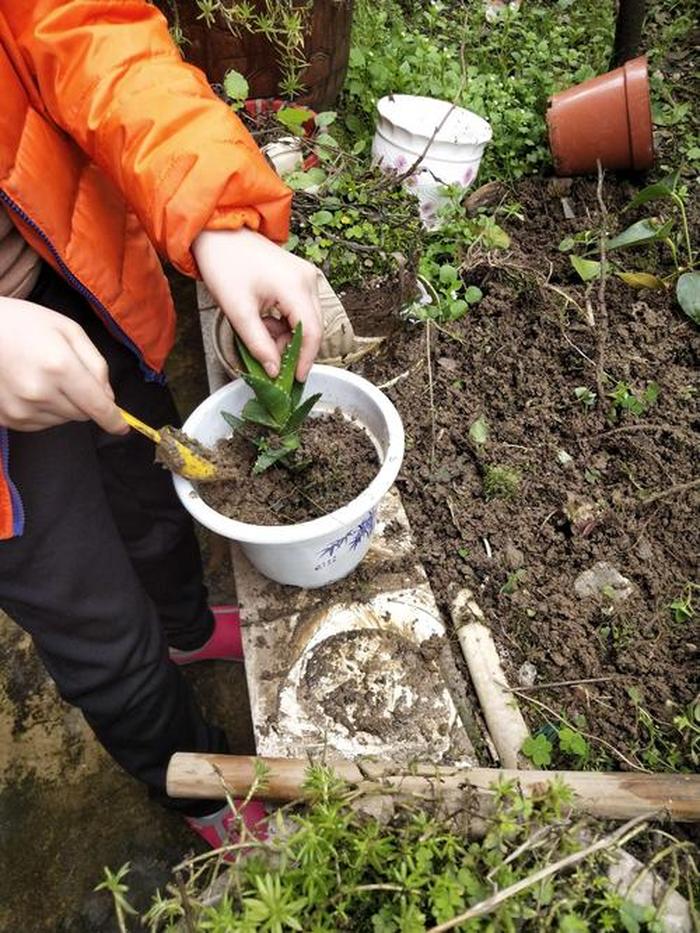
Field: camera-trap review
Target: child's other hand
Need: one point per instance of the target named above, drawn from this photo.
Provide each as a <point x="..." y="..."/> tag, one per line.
<point x="50" y="372"/>
<point x="248" y="275"/>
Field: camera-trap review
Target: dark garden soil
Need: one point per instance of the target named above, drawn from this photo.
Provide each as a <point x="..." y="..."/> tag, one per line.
<point x="340" y="462"/>
<point x="593" y="487"/>
<point x="374" y="308"/>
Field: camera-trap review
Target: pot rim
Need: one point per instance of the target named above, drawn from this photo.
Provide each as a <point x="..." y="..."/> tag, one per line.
<point x="639" y="119"/>
<point x="387" y="104"/>
<point x="341" y="518"/>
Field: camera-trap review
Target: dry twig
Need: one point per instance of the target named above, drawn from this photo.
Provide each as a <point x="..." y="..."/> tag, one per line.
<point x="602" y="328"/>
<point x="488" y="905"/>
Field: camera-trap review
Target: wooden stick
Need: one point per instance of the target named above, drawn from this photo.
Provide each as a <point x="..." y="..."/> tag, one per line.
<point x="611" y="795"/>
<point x="504" y="720"/>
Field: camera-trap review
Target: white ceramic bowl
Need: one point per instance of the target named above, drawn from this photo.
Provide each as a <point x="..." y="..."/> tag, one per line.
<point x="314" y="553"/>
<point x="405" y="124"/>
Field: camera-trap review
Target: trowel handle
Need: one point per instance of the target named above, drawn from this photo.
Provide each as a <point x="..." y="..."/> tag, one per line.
<point x="138" y="425"/>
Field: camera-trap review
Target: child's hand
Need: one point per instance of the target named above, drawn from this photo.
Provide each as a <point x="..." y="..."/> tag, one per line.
<point x="50" y="372"/>
<point x="248" y="275"/>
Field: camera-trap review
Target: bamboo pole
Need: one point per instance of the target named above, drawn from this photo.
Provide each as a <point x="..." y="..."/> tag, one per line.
<point x="504" y="721"/>
<point x="607" y="795"/>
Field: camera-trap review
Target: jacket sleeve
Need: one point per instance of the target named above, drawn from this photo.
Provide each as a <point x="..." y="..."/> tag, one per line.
<point x="111" y="77"/>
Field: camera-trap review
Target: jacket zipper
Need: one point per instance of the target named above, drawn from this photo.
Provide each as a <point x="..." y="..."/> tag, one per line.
<point x="151" y="374"/>
<point x="15" y="501"/>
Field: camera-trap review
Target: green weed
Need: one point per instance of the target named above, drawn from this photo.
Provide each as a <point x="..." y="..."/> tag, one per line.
<point x="682" y="606"/>
<point x="503" y="71"/>
<point x="331" y="869"/>
<point x="501" y="482"/>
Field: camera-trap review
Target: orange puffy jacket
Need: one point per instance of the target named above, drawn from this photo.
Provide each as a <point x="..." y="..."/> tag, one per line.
<point x="112" y="149"/>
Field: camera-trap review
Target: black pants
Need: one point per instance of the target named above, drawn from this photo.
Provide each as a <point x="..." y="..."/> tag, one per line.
<point x="108" y="573"/>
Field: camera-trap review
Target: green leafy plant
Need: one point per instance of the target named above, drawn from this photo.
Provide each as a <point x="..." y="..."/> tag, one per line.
<point x="624" y="399"/>
<point x="350" y="219"/>
<point x="513" y="581"/>
<point x="672" y="231"/>
<point x="504" y="71"/>
<point x="501" y="482"/>
<point x="236" y="88"/>
<point x="333" y="869"/>
<point x="682" y="607"/>
<point x="284" y="23"/>
<point x="277" y="406"/>
<point x="587" y="397"/>
<point x="688" y="726"/>
<point x="445" y="253"/>
<point x="479" y="432"/>
<point x="114" y="884"/>
<point x="551" y="740"/>
<point x="660" y="745"/>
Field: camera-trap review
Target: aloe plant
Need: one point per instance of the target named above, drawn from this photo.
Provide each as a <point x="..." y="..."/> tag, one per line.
<point x="277" y="405"/>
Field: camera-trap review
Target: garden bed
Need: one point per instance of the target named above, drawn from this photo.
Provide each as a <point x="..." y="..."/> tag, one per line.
<point x="593" y="483"/>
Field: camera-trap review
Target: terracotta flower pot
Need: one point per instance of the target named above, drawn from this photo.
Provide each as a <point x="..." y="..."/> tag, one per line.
<point x="216" y="49"/>
<point x="606" y="118"/>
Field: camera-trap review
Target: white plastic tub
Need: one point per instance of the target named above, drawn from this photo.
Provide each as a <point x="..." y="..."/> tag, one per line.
<point x="318" y="552"/>
<point x="405" y="125"/>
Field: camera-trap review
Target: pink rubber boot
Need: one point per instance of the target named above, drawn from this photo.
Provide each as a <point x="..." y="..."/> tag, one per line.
<point x="225" y="643"/>
<point x="220" y="828"/>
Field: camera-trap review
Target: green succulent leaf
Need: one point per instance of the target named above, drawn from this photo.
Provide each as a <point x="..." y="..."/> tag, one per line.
<point x="320" y="218"/>
<point x="326" y="117"/>
<point x="270" y="455"/>
<point x="301" y="181"/>
<point x="296" y="393"/>
<point x="293" y="118"/>
<point x="479" y="431"/>
<point x="254" y="411"/>
<point x="299" y="414"/>
<point x="290" y="358"/>
<point x="232" y="421"/>
<point x="235" y="85"/>
<point x="271" y="397"/>
<point x="251" y="365"/>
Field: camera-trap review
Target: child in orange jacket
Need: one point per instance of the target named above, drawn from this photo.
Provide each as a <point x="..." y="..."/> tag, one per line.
<point x="112" y="150"/>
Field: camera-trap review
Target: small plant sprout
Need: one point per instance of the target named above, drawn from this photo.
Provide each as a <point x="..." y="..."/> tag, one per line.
<point x="538" y="749"/>
<point x="114" y="884"/>
<point x="479" y="431"/>
<point x="236" y="88"/>
<point x="682" y="607"/>
<point x="277" y="406"/>
<point x="587" y="397"/>
<point x="542" y="747"/>
<point x="624" y="399"/>
<point x="513" y="581"/>
<point x="501" y="482"/>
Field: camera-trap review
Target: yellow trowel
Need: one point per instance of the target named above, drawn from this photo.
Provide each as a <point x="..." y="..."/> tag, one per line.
<point x="174" y="452"/>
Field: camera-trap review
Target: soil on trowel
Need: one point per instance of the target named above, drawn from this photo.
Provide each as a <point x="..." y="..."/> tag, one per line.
<point x="593" y="484"/>
<point x="338" y="460"/>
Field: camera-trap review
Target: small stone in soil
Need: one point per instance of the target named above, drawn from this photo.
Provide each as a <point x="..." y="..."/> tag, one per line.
<point x="527" y="674"/>
<point x="603" y="580"/>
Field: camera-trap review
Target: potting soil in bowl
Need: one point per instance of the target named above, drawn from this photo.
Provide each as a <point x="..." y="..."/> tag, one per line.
<point x="338" y="461"/>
